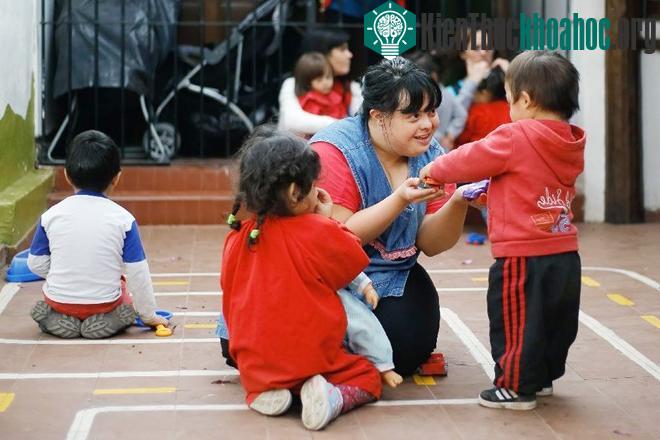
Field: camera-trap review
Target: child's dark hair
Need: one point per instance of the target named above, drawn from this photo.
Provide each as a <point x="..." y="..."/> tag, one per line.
<point x="551" y="81"/>
<point x="310" y="66"/>
<point x="494" y="83"/>
<point x="389" y="82"/>
<point x="270" y="161"/>
<point x="92" y="161"/>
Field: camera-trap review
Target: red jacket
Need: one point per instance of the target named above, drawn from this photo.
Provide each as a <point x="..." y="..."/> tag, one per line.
<point x="533" y="165"/>
<point x="332" y="104"/>
<point x="482" y="119"/>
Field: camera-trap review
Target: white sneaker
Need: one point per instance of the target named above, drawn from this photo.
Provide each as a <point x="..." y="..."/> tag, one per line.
<point x="545" y="392"/>
<point x="321" y="403"/>
<point x="273" y="402"/>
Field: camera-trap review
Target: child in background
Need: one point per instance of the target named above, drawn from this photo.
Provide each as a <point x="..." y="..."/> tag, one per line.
<point x="279" y="281"/>
<point x="314" y="86"/>
<point x="451" y="113"/>
<point x="83" y="244"/>
<point x="534" y="284"/>
<point x="489" y="109"/>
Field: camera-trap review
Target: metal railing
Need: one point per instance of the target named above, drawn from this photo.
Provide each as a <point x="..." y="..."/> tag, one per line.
<point x="181" y="77"/>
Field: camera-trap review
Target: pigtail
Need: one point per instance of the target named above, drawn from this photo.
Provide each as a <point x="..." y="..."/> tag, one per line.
<point x="254" y="234"/>
<point x="232" y="221"/>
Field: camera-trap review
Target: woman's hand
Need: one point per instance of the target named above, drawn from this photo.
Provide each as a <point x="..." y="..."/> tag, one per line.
<point x="410" y="192"/>
<point x="324" y="205"/>
<point x="477" y="70"/>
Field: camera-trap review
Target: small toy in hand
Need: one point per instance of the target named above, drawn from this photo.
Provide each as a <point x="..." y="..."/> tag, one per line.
<point x="434" y="366"/>
<point x="427" y="183"/>
<point x="476" y="191"/>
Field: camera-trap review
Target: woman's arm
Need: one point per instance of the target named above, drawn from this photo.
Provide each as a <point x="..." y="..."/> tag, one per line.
<point x="293" y="117"/>
<point x="441" y="230"/>
<point x="370" y="222"/>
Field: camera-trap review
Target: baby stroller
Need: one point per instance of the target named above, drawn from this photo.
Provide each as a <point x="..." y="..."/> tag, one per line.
<point x="233" y="75"/>
<point x="106" y="44"/>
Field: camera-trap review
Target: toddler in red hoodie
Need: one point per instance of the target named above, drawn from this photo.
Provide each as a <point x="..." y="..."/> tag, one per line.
<point x="315" y="87"/>
<point x="534" y="284"/>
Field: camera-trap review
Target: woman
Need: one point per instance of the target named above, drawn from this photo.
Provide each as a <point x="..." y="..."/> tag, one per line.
<point x="366" y="165"/>
<point x="334" y="44"/>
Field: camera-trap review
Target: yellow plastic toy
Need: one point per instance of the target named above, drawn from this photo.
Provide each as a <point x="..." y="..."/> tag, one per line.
<point x="161" y="330"/>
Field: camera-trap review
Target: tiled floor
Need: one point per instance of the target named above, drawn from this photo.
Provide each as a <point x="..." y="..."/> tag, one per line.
<point x="179" y="387"/>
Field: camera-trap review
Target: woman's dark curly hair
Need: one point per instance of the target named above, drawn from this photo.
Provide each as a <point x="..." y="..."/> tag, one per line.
<point x="386" y="83"/>
<point x="270" y="161"/>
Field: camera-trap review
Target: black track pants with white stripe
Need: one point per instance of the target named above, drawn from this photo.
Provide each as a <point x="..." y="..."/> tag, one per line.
<point x="533" y="307"/>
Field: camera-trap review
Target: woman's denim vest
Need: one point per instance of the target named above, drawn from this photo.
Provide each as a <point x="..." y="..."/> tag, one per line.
<point x="393" y="253"/>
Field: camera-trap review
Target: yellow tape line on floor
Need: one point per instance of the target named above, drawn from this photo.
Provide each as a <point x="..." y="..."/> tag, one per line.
<point x="161" y="390"/>
<point x="171" y="283"/>
<point x="588" y="281"/>
<point x="202" y="326"/>
<point x="5" y="400"/>
<point x="423" y="380"/>
<point x="620" y="299"/>
<point x="652" y="319"/>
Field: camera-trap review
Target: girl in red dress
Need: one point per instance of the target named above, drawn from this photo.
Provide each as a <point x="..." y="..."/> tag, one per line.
<point x="315" y="87"/>
<point x="281" y="269"/>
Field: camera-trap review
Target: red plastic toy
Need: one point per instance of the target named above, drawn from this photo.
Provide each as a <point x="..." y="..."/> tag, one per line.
<point x="434" y="366"/>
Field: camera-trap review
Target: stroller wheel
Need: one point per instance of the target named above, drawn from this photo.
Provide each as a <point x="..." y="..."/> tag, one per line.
<point x="169" y="142"/>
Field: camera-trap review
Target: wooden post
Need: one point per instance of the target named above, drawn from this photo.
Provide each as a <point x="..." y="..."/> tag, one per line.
<point x="624" y="202"/>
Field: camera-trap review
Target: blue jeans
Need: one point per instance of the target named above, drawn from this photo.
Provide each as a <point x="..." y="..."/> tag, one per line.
<point x="364" y="334"/>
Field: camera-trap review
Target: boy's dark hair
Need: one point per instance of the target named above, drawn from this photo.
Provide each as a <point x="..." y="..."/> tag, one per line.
<point x="385" y="82"/>
<point x="494" y="83"/>
<point x="310" y="66"/>
<point x="270" y="161"/>
<point x="551" y="81"/>
<point x="92" y="161"/>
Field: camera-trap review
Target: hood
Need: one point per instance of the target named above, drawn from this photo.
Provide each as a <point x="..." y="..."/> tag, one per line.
<point x="560" y="145"/>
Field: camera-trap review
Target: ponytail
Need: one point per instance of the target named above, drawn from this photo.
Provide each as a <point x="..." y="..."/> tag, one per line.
<point x="232" y="221"/>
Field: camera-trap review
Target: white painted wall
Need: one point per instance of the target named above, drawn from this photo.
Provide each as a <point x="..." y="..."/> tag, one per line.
<point x="18" y="48"/>
<point x="650" y="66"/>
<point x="591" y="117"/>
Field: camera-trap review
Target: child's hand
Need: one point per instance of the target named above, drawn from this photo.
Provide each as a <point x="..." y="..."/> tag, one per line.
<point x="324" y="206"/>
<point x="371" y="296"/>
<point x="154" y="320"/>
<point x="410" y="191"/>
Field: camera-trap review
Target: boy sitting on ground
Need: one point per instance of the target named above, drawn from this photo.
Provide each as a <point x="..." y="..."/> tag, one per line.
<point x="84" y="244"/>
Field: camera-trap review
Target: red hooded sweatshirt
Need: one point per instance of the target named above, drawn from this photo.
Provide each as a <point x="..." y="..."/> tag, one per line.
<point x="533" y="165"/>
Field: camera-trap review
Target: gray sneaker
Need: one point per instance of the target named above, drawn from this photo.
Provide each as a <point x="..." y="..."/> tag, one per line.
<point x="54" y="323"/>
<point x="104" y="325"/>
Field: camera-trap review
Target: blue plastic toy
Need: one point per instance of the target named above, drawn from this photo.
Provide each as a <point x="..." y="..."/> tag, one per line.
<point x="19" y="272"/>
<point x="164" y="313"/>
<point x="475" y="238"/>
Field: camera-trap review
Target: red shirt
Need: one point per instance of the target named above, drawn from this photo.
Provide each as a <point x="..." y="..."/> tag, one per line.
<point x="285" y="320"/>
<point x="533" y="165"/>
<point x="336" y="178"/>
<point x="482" y="119"/>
